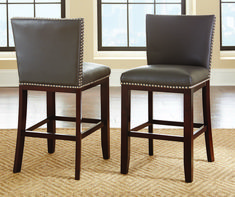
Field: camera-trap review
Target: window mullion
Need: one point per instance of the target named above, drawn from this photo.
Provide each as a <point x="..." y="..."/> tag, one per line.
<point x="128" y="27"/>
<point x="63" y="9"/>
<point x="154" y="7"/>
<point x="34" y="7"/>
<point x="7" y="23"/>
<point x="183" y="7"/>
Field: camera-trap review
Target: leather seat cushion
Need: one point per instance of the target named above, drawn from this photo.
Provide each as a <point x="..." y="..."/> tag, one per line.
<point x="170" y="75"/>
<point x="93" y="72"/>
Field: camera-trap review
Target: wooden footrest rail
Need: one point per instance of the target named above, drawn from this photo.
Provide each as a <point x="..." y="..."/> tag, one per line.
<point x="62" y="118"/>
<point x="62" y="136"/>
<point x="197" y="133"/>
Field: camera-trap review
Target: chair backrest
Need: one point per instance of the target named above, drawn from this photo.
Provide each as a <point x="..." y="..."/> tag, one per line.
<point x="180" y="40"/>
<point x="49" y="51"/>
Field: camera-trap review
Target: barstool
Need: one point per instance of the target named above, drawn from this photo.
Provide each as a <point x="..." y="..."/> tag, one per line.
<point x="50" y="58"/>
<point x="179" y="50"/>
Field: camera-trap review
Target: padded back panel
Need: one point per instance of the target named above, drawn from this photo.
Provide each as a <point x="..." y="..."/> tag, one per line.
<point x="179" y="40"/>
<point x="49" y="51"/>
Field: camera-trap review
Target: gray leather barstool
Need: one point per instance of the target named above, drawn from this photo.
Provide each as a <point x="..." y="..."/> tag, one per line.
<point x="179" y="58"/>
<point x="50" y="58"/>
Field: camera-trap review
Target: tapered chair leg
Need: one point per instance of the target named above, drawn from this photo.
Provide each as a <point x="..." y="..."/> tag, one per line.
<point x="51" y="127"/>
<point x="150" y="117"/>
<point x="105" y="130"/>
<point x="21" y="130"/>
<point x="125" y="129"/>
<point x="188" y="135"/>
<point x="207" y="122"/>
<point x="78" y="135"/>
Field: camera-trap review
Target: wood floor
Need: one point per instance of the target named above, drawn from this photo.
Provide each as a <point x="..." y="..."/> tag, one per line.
<point x="167" y="106"/>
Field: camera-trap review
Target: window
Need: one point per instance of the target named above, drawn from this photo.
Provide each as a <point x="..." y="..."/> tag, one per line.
<point x="121" y="23"/>
<point x="25" y="8"/>
<point x="227" y="24"/>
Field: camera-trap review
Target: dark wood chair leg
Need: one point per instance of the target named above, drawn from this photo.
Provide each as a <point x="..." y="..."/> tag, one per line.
<point x="125" y="129"/>
<point x="78" y="135"/>
<point x="51" y="127"/>
<point x="188" y="135"/>
<point x="105" y="130"/>
<point x="21" y="129"/>
<point x="150" y="111"/>
<point x="207" y="122"/>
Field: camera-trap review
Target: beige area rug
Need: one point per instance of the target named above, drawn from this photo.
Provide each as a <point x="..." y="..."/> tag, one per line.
<point x="159" y="175"/>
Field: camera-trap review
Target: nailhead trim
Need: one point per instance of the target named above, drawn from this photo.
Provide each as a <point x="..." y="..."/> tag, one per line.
<point x="156" y="86"/>
<point x="164" y="86"/>
<point x="62" y="86"/>
<point x="41" y="18"/>
<point x="80" y="74"/>
<point x="212" y="43"/>
<point x="49" y="85"/>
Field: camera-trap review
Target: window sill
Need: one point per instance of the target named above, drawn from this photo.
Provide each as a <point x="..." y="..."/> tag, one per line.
<point x="120" y="55"/>
<point x="227" y="55"/>
<point x="7" y="59"/>
<point x="4" y="56"/>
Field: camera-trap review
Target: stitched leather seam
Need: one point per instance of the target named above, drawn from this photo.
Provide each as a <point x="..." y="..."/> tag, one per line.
<point x="95" y="81"/>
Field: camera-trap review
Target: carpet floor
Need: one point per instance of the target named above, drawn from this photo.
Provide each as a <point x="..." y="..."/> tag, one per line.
<point x="46" y="174"/>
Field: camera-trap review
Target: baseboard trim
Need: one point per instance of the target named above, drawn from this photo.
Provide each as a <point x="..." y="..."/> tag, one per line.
<point x="219" y="77"/>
